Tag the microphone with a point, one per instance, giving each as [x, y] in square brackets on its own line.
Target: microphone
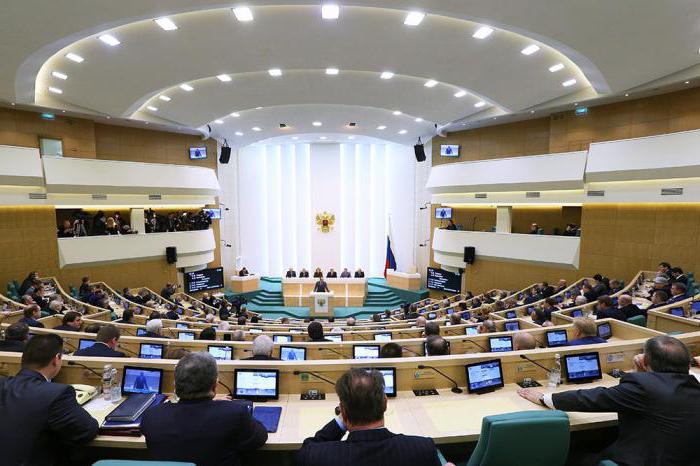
[230, 392]
[455, 389]
[75, 363]
[535, 363]
[65, 342]
[333, 351]
[466, 340]
[315, 375]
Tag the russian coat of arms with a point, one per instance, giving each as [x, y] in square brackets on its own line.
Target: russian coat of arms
[325, 222]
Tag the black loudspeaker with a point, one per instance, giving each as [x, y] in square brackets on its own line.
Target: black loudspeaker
[225, 154]
[171, 254]
[469, 253]
[420, 152]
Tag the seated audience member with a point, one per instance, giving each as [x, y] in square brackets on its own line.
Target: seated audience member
[421, 322]
[284, 321]
[153, 329]
[539, 316]
[291, 273]
[16, 337]
[208, 334]
[262, 349]
[315, 331]
[345, 273]
[606, 309]
[615, 286]
[600, 285]
[66, 231]
[369, 443]
[304, 273]
[55, 307]
[31, 314]
[524, 341]
[254, 320]
[431, 329]
[168, 291]
[437, 346]
[534, 229]
[391, 350]
[376, 317]
[176, 353]
[41, 422]
[92, 328]
[664, 269]
[241, 320]
[318, 273]
[224, 326]
[657, 407]
[486, 326]
[658, 299]
[585, 332]
[179, 431]
[661, 283]
[350, 322]
[455, 318]
[570, 230]
[105, 345]
[27, 300]
[561, 286]
[549, 306]
[546, 290]
[678, 292]
[589, 293]
[27, 283]
[72, 321]
[127, 317]
[172, 314]
[111, 227]
[579, 301]
[628, 308]
[530, 296]
[677, 275]
[359, 273]
[238, 335]
[332, 273]
[243, 272]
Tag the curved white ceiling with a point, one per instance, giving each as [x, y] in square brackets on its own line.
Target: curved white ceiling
[605, 46]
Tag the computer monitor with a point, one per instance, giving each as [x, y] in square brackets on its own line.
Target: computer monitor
[556, 338]
[141, 380]
[471, 330]
[335, 338]
[151, 351]
[450, 311]
[292, 353]
[389, 374]
[140, 332]
[85, 343]
[695, 307]
[221, 352]
[577, 313]
[365, 351]
[466, 315]
[282, 338]
[295, 330]
[256, 384]
[677, 311]
[181, 326]
[436, 307]
[512, 326]
[582, 367]
[186, 336]
[382, 336]
[511, 315]
[180, 310]
[484, 376]
[604, 330]
[432, 315]
[255, 330]
[499, 344]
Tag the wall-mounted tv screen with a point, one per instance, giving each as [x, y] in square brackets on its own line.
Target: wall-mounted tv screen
[442, 280]
[197, 153]
[215, 214]
[443, 213]
[205, 279]
[449, 150]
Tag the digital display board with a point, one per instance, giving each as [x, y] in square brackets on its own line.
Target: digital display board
[442, 280]
[203, 280]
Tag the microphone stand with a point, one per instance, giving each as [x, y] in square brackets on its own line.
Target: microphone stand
[411, 351]
[75, 363]
[535, 363]
[230, 392]
[455, 389]
[466, 340]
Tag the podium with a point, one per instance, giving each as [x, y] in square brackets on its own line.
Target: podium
[321, 304]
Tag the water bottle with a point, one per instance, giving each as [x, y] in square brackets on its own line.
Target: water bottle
[116, 395]
[107, 382]
[555, 373]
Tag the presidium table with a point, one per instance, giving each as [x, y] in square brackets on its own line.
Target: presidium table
[345, 292]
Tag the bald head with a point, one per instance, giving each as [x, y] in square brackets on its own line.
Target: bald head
[523, 341]
[624, 300]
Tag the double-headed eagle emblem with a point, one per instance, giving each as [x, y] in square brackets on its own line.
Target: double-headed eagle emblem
[325, 222]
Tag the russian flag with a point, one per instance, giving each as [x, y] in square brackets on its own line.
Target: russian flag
[390, 259]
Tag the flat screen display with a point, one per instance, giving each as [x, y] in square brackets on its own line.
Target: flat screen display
[151, 351]
[182, 326]
[382, 336]
[677, 311]
[511, 314]
[443, 213]
[442, 280]
[557, 338]
[432, 315]
[140, 332]
[186, 336]
[471, 330]
[512, 326]
[203, 280]
[389, 374]
[256, 384]
[449, 150]
[335, 338]
[197, 153]
[695, 307]
[255, 330]
[282, 338]
[214, 214]
[221, 353]
[499, 344]
[295, 330]
[577, 313]
[604, 331]
[466, 315]
[141, 380]
[85, 343]
[582, 367]
[485, 375]
[365, 351]
[291, 353]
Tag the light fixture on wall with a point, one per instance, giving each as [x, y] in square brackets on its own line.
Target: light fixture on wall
[425, 206]
[226, 244]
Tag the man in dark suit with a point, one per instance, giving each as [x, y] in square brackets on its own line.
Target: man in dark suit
[105, 344]
[345, 273]
[546, 290]
[16, 337]
[291, 273]
[359, 273]
[40, 421]
[332, 274]
[304, 273]
[262, 349]
[658, 299]
[200, 429]
[606, 309]
[658, 407]
[678, 292]
[362, 407]
[72, 321]
[243, 272]
[677, 275]
[585, 332]
[31, 314]
[321, 286]
[628, 308]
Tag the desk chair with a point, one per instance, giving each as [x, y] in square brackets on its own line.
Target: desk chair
[140, 463]
[638, 320]
[506, 439]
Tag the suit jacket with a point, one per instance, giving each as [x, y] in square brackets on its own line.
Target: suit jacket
[39, 420]
[12, 346]
[99, 349]
[632, 311]
[260, 357]
[65, 328]
[658, 416]
[321, 287]
[31, 322]
[291, 274]
[303, 274]
[205, 432]
[675, 299]
[345, 275]
[375, 447]
[588, 341]
[359, 275]
[611, 312]
[332, 275]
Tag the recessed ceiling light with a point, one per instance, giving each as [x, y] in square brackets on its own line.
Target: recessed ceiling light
[258, 108]
[418, 120]
[275, 72]
[330, 11]
[557, 67]
[687, 82]
[166, 23]
[397, 112]
[403, 131]
[482, 33]
[414, 18]
[55, 90]
[351, 137]
[431, 83]
[332, 71]
[75, 57]
[243, 13]
[235, 115]
[530, 49]
[109, 40]
[238, 133]
[381, 128]
[568, 83]
[219, 122]
[323, 137]
[532, 111]
[295, 137]
[59, 75]
[256, 128]
[152, 108]
[164, 98]
[460, 94]
[627, 95]
[224, 78]
[480, 104]
[186, 87]
[317, 123]
[387, 75]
